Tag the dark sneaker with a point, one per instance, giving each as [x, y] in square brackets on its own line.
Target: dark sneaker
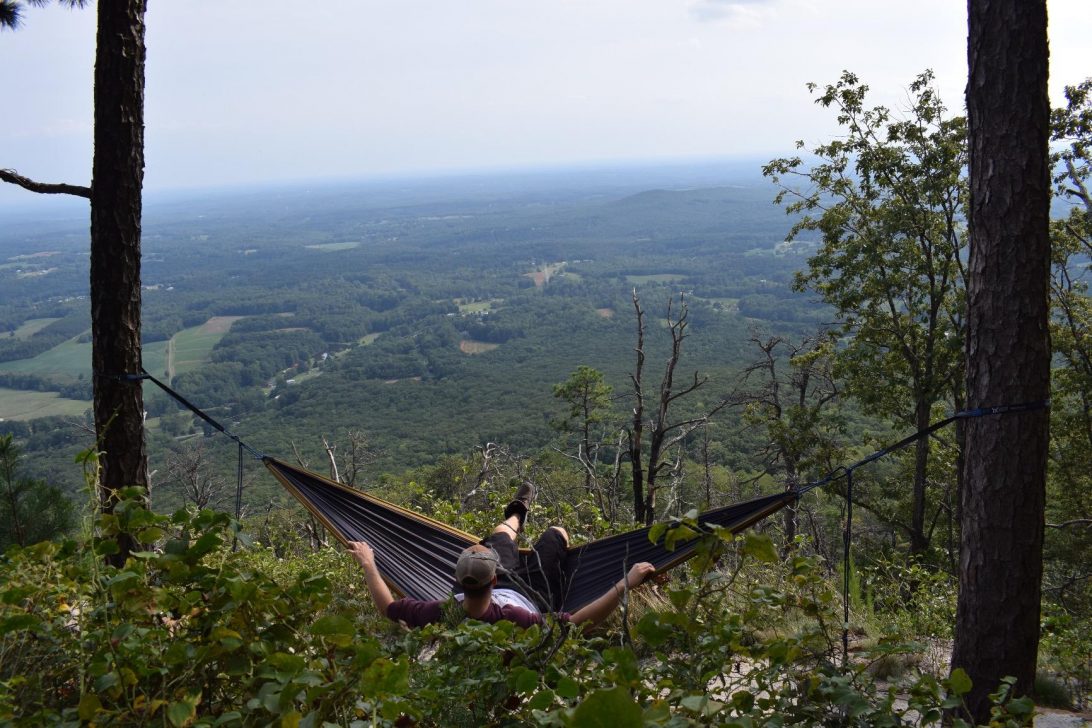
[521, 503]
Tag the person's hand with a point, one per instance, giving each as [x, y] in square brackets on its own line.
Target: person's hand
[362, 553]
[638, 573]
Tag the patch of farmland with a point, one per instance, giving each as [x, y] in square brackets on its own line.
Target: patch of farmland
[470, 346]
[467, 307]
[33, 326]
[190, 348]
[67, 359]
[17, 404]
[543, 273]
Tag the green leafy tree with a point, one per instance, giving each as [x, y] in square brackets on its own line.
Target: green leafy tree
[887, 200]
[589, 405]
[30, 510]
[1068, 544]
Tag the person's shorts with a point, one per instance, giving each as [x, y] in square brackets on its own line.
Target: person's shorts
[538, 573]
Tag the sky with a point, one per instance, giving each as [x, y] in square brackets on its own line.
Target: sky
[243, 92]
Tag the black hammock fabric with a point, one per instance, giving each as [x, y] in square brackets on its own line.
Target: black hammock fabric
[416, 554]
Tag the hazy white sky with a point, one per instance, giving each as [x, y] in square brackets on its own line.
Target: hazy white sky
[242, 91]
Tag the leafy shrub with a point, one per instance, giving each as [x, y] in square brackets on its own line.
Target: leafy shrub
[192, 633]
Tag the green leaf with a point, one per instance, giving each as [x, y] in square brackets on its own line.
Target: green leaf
[693, 703]
[523, 680]
[959, 682]
[19, 622]
[542, 700]
[181, 713]
[656, 532]
[625, 663]
[568, 688]
[89, 705]
[335, 629]
[384, 677]
[612, 708]
[760, 547]
[653, 630]
[150, 535]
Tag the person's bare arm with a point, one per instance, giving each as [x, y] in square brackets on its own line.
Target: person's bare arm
[598, 610]
[381, 594]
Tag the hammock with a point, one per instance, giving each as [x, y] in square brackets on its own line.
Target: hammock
[416, 554]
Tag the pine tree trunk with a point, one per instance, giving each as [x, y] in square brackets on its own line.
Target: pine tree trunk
[1008, 347]
[117, 178]
[918, 540]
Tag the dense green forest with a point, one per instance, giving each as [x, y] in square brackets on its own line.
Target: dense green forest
[354, 309]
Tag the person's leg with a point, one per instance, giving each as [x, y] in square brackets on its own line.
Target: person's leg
[503, 538]
[545, 565]
[509, 527]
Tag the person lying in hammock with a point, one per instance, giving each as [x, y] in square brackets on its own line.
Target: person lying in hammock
[492, 585]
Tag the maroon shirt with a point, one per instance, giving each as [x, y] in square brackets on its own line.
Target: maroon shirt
[417, 613]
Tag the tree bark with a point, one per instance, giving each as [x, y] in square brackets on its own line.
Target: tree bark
[1008, 347]
[636, 434]
[117, 180]
[919, 542]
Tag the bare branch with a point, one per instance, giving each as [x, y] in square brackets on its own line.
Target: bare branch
[45, 188]
[1086, 522]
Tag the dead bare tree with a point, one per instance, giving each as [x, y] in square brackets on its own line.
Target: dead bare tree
[662, 433]
[359, 455]
[191, 472]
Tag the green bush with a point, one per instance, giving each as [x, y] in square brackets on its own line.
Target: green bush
[192, 633]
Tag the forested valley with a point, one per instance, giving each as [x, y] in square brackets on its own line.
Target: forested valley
[438, 342]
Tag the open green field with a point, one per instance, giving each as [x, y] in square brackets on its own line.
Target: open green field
[33, 326]
[332, 247]
[67, 359]
[477, 306]
[16, 404]
[154, 357]
[70, 359]
[190, 348]
[656, 278]
[186, 351]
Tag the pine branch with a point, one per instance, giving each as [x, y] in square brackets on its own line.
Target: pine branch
[13, 177]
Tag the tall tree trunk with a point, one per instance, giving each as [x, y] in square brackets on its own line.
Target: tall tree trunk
[1008, 346]
[919, 542]
[117, 179]
[636, 434]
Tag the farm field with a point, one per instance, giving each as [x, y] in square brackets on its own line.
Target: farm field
[476, 306]
[190, 348]
[16, 404]
[67, 359]
[469, 346]
[33, 326]
[187, 350]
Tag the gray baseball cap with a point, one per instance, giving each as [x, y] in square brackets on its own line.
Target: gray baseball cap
[476, 568]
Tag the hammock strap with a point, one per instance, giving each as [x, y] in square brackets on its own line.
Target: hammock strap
[144, 375]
